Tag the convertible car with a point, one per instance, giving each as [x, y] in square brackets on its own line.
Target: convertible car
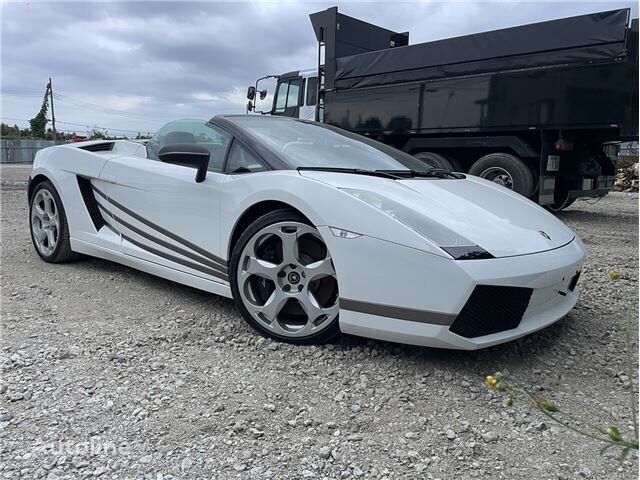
[312, 230]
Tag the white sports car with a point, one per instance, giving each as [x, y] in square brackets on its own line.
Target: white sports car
[312, 230]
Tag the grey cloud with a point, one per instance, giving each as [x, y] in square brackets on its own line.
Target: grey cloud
[162, 55]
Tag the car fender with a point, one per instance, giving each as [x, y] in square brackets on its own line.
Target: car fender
[321, 203]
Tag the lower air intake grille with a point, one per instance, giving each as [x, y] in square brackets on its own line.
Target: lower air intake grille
[90, 202]
[574, 281]
[491, 309]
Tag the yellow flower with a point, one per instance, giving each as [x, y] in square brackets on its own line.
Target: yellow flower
[493, 383]
[615, 274]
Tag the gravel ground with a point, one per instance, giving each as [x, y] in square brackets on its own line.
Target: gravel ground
[109, 372]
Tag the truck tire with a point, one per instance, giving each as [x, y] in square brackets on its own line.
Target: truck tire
[505, 169]
[438, 160]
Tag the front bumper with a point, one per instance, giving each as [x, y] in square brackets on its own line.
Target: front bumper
[400, 294]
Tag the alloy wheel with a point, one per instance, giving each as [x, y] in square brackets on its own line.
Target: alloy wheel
[287, 281]
[45, 222]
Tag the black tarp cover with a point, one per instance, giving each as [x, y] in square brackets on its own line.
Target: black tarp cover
[582, 39]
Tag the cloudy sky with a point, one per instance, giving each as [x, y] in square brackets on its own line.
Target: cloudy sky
[135, 65]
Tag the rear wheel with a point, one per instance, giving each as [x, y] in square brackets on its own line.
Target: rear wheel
[506, 170]
[48, 222]
[437, 160]
[283, 280]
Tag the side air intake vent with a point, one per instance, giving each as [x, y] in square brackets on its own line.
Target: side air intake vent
[99, 147]
[491, 309]
[90, 202]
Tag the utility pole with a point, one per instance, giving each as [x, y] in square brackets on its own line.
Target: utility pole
[53, 114]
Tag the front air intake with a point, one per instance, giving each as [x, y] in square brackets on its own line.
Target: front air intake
[491, 309]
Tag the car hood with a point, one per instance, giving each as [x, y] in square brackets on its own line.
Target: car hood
[471, 211]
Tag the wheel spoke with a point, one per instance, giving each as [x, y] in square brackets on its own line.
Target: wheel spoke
[49, 207]
[54, 221]
[273, 305]
[40, 234]
[289, 246]
[51, 238]
[321, 268]
[38, 211]
[310, 306]
[262, 268]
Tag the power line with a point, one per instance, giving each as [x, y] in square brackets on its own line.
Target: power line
[84, 125]
[107, 112]
[20, 94]
[82, 104]
[93, 106]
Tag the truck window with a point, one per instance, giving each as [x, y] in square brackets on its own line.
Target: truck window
[294, 93]
[281, 97]
[287, 95]
[312, 91]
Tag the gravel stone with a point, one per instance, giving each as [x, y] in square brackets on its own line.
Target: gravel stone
[324, 452]
[490, 437]
[112, 372]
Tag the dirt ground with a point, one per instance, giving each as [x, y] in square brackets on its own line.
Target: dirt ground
[112, 373]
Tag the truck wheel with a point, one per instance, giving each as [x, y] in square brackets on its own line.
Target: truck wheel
[437, 160]
[506, 170]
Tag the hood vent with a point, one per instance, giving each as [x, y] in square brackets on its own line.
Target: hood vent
[99, 147]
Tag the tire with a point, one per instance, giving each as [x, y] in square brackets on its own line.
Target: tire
[48, 225]
[438, 160]
[283, 295]
[506, 170]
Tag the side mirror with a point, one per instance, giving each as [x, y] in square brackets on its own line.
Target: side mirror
[187, 155]
[263, 94]
[251, 92]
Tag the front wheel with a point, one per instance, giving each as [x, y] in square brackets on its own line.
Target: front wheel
[283, 280]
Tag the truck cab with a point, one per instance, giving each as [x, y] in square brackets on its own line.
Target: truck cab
[296, 94]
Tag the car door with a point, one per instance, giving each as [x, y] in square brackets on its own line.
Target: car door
[163, 215]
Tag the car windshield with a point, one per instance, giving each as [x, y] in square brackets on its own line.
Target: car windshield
[310, 144]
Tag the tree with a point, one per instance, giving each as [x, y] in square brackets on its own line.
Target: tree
[39, 122]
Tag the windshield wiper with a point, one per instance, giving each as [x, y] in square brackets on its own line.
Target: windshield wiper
[358, 171]
[431, 173]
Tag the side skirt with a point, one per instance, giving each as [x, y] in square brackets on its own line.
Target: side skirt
[158, 270]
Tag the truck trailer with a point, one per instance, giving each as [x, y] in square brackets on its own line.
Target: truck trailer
[540, 108]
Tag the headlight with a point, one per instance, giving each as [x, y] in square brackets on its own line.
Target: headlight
[454, 244]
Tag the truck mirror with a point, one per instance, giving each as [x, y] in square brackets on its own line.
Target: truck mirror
[263, 94]
[249, 106]
[251, 92]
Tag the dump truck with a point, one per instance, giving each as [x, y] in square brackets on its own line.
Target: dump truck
[539, 108]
